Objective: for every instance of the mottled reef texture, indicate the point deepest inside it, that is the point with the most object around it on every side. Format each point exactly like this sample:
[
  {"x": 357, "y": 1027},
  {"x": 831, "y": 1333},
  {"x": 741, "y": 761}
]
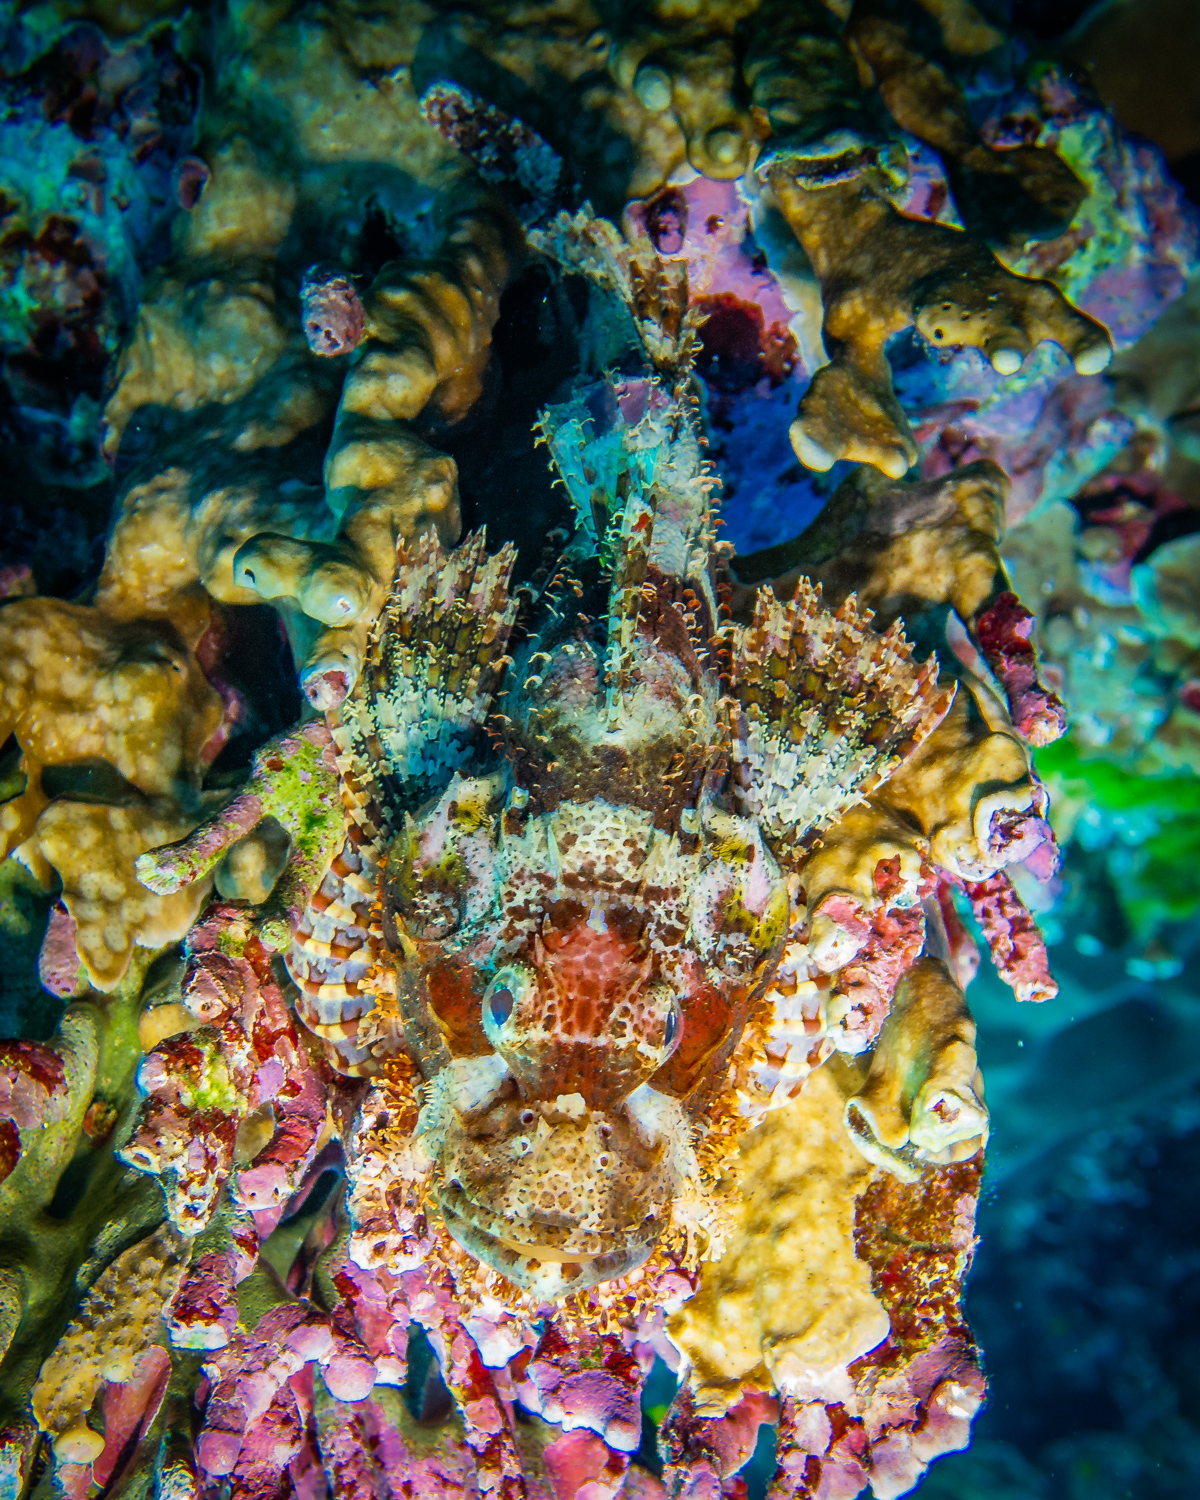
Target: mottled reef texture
[{"x": 468, "y": 982}]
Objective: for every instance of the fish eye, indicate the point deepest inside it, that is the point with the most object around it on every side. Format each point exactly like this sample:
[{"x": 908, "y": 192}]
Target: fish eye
[
  {"x": 502, "y": 997},
  {"x": 671, "y": 1030},
  {"x": 500, "y": 1005},
  {"x": 673, "y": 1019}
]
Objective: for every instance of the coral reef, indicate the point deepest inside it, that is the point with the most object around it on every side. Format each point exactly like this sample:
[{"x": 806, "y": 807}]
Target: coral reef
[
  {"x": 568, "y": 941},
  {"x": 95, "y": 136},
  {"x": 574, "y": 992},
  {"x": 121, "y": 708}
]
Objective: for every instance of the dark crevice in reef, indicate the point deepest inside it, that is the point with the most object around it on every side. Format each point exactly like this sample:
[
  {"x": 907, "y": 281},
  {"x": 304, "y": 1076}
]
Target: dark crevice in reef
[
  {"x": 1086, "y": 1294},
  {"x": 505, "y": 479},
  {"x": 425, "y": 1393}
]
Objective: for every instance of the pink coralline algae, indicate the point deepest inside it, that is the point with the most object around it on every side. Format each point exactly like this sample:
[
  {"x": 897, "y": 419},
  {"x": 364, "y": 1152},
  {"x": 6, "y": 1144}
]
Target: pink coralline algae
[
  {"x": 1017, "y": 946},
  {"x": 332, "y": 311},
  {"x": 32, "y": 1093},
  {"x": 244, "y": 1058},
  {"x": 1005, "y": 635},
  {"x": 883, "y": 941},
  {"x": 59, "y": 968}
]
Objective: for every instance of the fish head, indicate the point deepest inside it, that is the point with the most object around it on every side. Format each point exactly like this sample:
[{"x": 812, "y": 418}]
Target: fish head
[
  {"x": 582, "y": 985},
  {"x": 559, "y": 1162}
]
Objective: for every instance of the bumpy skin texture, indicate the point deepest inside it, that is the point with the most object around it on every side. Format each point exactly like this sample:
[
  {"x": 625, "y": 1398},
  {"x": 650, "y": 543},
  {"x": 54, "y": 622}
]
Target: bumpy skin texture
[{"x": 577, "y": 947}]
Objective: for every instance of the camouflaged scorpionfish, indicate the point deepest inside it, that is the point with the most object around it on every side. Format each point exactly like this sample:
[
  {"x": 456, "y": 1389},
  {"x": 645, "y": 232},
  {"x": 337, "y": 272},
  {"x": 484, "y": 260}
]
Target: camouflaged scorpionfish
[{"x": 578, "y": 911}]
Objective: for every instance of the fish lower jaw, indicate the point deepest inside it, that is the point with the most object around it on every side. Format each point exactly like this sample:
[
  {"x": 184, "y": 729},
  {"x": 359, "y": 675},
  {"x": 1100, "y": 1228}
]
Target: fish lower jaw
[{"x": 550, "y": 1272}]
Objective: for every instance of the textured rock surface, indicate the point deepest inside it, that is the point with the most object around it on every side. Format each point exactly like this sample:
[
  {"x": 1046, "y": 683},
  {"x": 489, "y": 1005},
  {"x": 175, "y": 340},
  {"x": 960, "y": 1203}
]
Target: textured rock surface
[{"x": 583, "y": 997}]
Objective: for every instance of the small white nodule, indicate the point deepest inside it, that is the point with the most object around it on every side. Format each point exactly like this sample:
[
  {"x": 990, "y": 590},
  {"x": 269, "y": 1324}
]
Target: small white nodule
[
  {"x": 1006, "y": 361},
  {"x": 1093, "y": 360},
  {"x": 810, "y": 454}
]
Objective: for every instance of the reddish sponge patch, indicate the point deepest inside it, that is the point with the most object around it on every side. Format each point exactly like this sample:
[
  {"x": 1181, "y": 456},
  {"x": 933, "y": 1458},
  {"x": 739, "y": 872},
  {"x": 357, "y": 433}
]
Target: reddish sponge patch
[
  {"x": 10, "y": 1147},
  {"x": 1004, "y": 633},
  {"x": 738, "y": 346},
  {"x": 1018, "y": 948}
]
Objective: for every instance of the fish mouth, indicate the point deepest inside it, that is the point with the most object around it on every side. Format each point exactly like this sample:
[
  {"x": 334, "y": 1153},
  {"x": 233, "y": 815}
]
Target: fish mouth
[{"x": 557, "y": 1262}]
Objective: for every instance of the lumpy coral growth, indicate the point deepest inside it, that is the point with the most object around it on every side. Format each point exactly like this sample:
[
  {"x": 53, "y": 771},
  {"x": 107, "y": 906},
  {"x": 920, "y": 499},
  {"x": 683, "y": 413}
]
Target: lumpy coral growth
[{"x": 495, "y": 972}]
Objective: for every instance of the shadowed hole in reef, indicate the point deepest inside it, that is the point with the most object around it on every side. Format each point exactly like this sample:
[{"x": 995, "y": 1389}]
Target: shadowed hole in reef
[
  {"x": 314, "y": 1200},
  {"x": 93, "y": 780},
  {"x": 505, "y": 479},
  {"x": 74, "y": 1182},
  {"x": 26, "y": 1009},
  {"x": 297, "y": 1243},
  {"x": 760, "y": 1470},
  {"x": 164, "y": 979},
  {"x": 378, "y": 243},
  {"x": 425, "y": 1392},
  {"x": 12, "y": 777},
  {"x": 657, "y": 1395},
  {"x": 246, "y": 650}
]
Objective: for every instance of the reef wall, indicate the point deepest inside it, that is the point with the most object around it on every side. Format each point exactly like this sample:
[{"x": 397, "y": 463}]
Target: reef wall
[{"x": 495, "y": 1022}]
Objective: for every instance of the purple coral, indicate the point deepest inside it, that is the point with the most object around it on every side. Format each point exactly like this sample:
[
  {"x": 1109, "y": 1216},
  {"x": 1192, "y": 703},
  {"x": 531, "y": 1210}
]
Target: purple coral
[
  {"x": 201, "y": 1084},
  {"x": 1017, "y": 946}
]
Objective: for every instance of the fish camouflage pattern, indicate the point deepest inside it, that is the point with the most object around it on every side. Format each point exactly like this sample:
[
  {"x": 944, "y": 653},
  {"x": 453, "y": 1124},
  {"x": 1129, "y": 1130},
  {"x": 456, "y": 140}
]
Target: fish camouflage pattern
[{"x": 575, "y": 822}]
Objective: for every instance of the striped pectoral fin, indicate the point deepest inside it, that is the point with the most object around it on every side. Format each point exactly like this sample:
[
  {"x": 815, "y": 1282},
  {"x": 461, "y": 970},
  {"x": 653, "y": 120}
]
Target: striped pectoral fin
[
  {"x": 828, "y": 709},
  {"x": 434, "y": 662},
  {"x": 321, "y": 1003},
  {"x": 329, "y": 978},
  {"x": 352, "y": 1061},
  {"x": 336, "y": 1014},
  {"x": 336, "y": 1031}
]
